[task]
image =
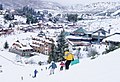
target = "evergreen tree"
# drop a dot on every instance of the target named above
(72, 17)
(10, 25)
(1, 7)
(31, 19)
(52, 55)
(9, 16)
(6, 45)
(61, 45)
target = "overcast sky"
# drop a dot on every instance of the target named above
(69, 2)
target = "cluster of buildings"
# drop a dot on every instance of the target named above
(75, 39)
(43, 43)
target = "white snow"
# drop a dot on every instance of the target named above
(113, 38)
(105, 68)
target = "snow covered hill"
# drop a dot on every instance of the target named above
(37, 4)
(98, 8)
(105, 68)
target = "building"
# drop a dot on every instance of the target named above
(99, 35)
(41, 44)
(112, 39)
(21, 49)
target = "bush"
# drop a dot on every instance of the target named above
(40, 63)
(92, 53)
(110, 48)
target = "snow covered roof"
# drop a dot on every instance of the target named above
(114, 38)
(20, 46)
(26, 48)
(39, 42)
(80, 30)
(115, 13)
(80, 43)
(76, 37)
(96, 34)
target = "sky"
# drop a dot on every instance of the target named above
(67, 2)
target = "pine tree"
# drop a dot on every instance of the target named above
(52, 55)
(61, 45)
(6, 45)
(1, 7)
(72, 17)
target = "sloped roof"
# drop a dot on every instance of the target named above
(80, 30)
(102, 31)
(41, 33)
(113, 38)
(66, 33)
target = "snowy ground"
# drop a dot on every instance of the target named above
(105, 68)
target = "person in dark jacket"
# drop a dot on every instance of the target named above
(35, 73)
(52, 67)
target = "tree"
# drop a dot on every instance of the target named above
(72, 17)
(110, 48)
(9, 16)
(6, 46)
(1, 7)
(61, 45)
(31, 19)
(49, 15)
(52, 55)
(92, 53)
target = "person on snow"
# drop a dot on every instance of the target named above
(62, 64)
(35, 73)
(68, 57)
(52, 67)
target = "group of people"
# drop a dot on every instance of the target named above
(68, 58)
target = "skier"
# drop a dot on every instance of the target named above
(68, 57)
(52, 66)
(35, 73)
(62, 64)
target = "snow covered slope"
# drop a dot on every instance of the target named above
(41, 4)
(105, 68)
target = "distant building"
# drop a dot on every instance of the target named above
(99, 35)
(75, 41)
(112, 39)
(41, 44)
(21, 49)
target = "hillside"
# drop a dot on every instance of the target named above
(37, 4)
(98, 8)
(102, 69)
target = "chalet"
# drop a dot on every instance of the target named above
(99, 35)
(112, 39)
(41, 44)
(75, 41)
(6, 31)
(21, 49)
(80, 32)
(55, 26)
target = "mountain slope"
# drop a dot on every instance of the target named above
(98, 7)
(105, 68)
(32, 3)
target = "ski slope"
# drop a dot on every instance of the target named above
(105, 68)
